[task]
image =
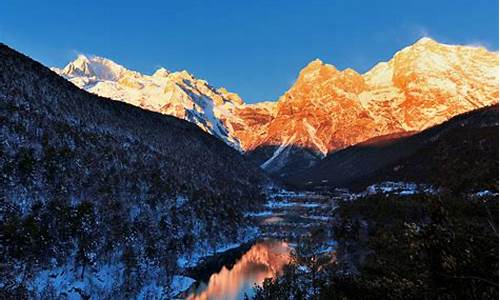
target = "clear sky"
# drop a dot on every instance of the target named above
(254, 48)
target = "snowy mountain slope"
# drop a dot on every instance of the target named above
(173, 93)
(428, 83)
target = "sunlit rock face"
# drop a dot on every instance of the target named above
(428, 83)
(325, 110)
(321, 111)
(422, 85)
(263, 260)
(250, 123)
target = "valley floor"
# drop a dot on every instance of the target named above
(289, 231)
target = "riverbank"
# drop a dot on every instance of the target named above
(211, 264)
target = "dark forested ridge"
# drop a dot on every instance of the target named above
(87, 181)
(459, 153)
(399, 247)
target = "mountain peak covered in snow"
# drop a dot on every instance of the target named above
(425, 41)
(326, 109)
(316, 65)
(94, 67)
(161, 72)
(422, 85)
(179, 94)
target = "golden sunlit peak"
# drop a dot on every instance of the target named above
(350, 71)
(317, 64)
(424, 43)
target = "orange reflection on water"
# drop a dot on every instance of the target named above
(263, 260)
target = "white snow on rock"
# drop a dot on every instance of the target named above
(422, 85)
(179, 94)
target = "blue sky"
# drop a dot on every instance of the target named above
(254, 48)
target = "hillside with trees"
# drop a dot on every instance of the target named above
(103, 197)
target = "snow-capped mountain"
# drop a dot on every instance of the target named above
(173, 93)
(325, 110)
(422, 85)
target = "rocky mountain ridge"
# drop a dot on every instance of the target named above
(324, 111)
(421, 86)
(172, 93)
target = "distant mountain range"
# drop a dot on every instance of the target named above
(326, 110)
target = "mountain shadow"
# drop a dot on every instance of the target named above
(283, 161)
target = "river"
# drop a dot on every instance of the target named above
(287, 216)
(264, 260)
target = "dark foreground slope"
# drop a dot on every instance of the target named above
(88, 184)
(460, 154)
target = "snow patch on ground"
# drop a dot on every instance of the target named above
(282, 204)
(319, 218)
(398, 188)
(485, 193)
(278, 152)
(265, 213)
(68, 280)
(178, 285)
